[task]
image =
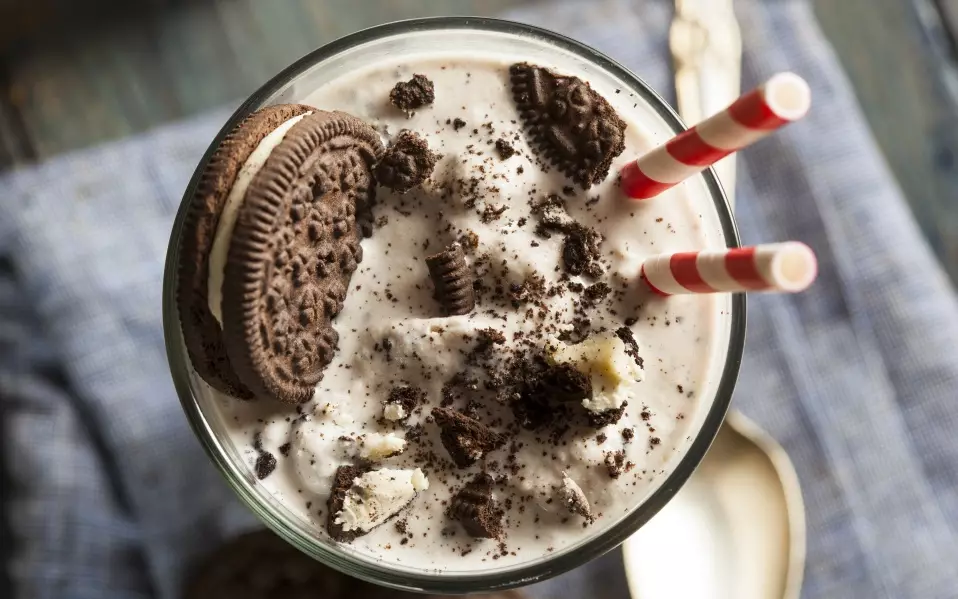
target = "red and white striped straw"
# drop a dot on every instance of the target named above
(782, 99)
(789, 266)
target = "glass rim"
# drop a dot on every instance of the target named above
(379, 572)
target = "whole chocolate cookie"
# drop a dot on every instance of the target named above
(570, 125)
(293, 251)
(201, 331)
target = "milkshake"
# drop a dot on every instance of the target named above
(499, 387)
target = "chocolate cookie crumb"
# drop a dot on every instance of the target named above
(284, 448)
(406, 397)
(469, 241)
(607, 417)
(414, 433)
(627, 435)
(415, 93)
(458, 123)
(407, 163)
(631, 345)
(265, 464)
(567, 384)
(532, 289)
(505, 149)
(532, 385)
(342, 483)
(615, 463)
(580, 250)
(453, 280)
(476, 509)
(598, 291)
(489, 336)
(492, 213)
(466, 439)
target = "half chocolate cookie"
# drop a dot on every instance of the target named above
(269, 244)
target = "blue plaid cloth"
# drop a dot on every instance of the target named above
(112, 497)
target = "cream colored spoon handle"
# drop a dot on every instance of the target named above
(706, 47)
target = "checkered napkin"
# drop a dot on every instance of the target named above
(111, 497)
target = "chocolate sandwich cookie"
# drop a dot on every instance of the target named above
(269, 244)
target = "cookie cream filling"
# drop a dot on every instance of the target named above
(227, 222)
(378, 495)
(613, 373)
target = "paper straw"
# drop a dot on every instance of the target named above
(789, 267)
(781, 100)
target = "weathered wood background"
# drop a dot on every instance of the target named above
(74, 73)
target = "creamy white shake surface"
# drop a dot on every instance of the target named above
(563, 471)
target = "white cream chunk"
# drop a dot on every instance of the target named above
(375, 446)
(378, 495)
(393, 412)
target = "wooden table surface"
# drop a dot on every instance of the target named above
(71, 76)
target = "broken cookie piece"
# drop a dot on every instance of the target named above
(466, 439)
(415, 93)
(407, 163)
(631, 345)
(453, 280)
(606, 417)
(580, 252)
(504, 149)
(565, 383)
(569, 124)
(574, 499)
(476, 509)
(401, 402)
(363, 499)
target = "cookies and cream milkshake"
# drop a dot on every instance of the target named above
(486, 382)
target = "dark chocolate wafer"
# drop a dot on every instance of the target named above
(293, 252)
(201, 332)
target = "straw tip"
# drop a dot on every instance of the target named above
(794, 267)
(788, 96)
